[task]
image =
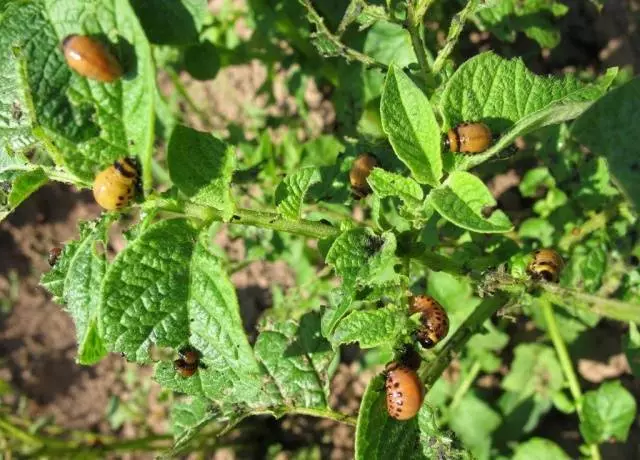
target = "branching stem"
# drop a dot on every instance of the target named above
(415, 17)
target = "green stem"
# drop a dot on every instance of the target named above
(458, 340)
(312, 412)
(415, 16)
(610, 308)
(566, 364)
(243, 216)
(455, 29)
(464, 386)
(161, 174)
(348, 53)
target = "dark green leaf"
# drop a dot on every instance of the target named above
(201, 166)
(202, 61)
(539, 448)
(171, 22)
(608, 129)
(371, 328)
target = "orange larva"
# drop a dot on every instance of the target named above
(185, 369)
(434, 320)
(546, 265)
(469, 138)
(360, 170)
(115, 186)
(404, 391)
(54, 254)
(90, 58)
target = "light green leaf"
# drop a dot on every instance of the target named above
(371, 328)
(474, 421)
(535, 371)
(187, 418)
(390, 44)
(534, 179)
(464, 200)
(378, 435)
(538, 448)
(608, 412)
(79, 269)
(537, 229)
(291, 192)
(21, 183)
(408, 120)
(385, 183)
(201, 166)
(614, 115)
(146, 290)
(84, 124)
(511, 100)
(297, 358)
(171, 22)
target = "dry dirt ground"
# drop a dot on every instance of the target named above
(37, 344)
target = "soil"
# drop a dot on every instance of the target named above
(37, 338)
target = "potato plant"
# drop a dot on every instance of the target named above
(429, 226)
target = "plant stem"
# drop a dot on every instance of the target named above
(465, 384)
(455, 29)
(566, 364)
(348, 53)
(415, 16)
(610, 308)
(467, 329)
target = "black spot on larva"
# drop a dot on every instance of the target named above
(120, 198)
(399, 394)
(396, 385)
(547, 275)
(400, 402)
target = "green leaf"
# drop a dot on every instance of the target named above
(84, 124)
(608, 413)
(464, 200)
(608, 129)
(535, 371)
(385, 183)
(534, 179)
(187, 418)
(146, 290)
(511, 100)
(79, 269)
(537, 229)
(297, 358)
(201, 166)
(537, 448)
(409, 121)
(631, 347)
(378, 435)
(537, 19)
(371, 328)
(22, 184)
(202, 61)
(474, 421)
(171, 22)
(291, 192)
(390, 44)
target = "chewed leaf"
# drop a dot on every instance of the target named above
(511, 100)
(409, 121)
(21, 183)
(464, 200)
(609, 128)
(201, 166)
(291, 192)
(370, 328)
(122, 120)
(79, 269)
(146, 290)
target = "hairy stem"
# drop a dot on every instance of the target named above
(464, 386)
(467, 329)
(177, 83)
(455, 29)
(348, 53)
(312, 412)
(567, 365)
(415, 17)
